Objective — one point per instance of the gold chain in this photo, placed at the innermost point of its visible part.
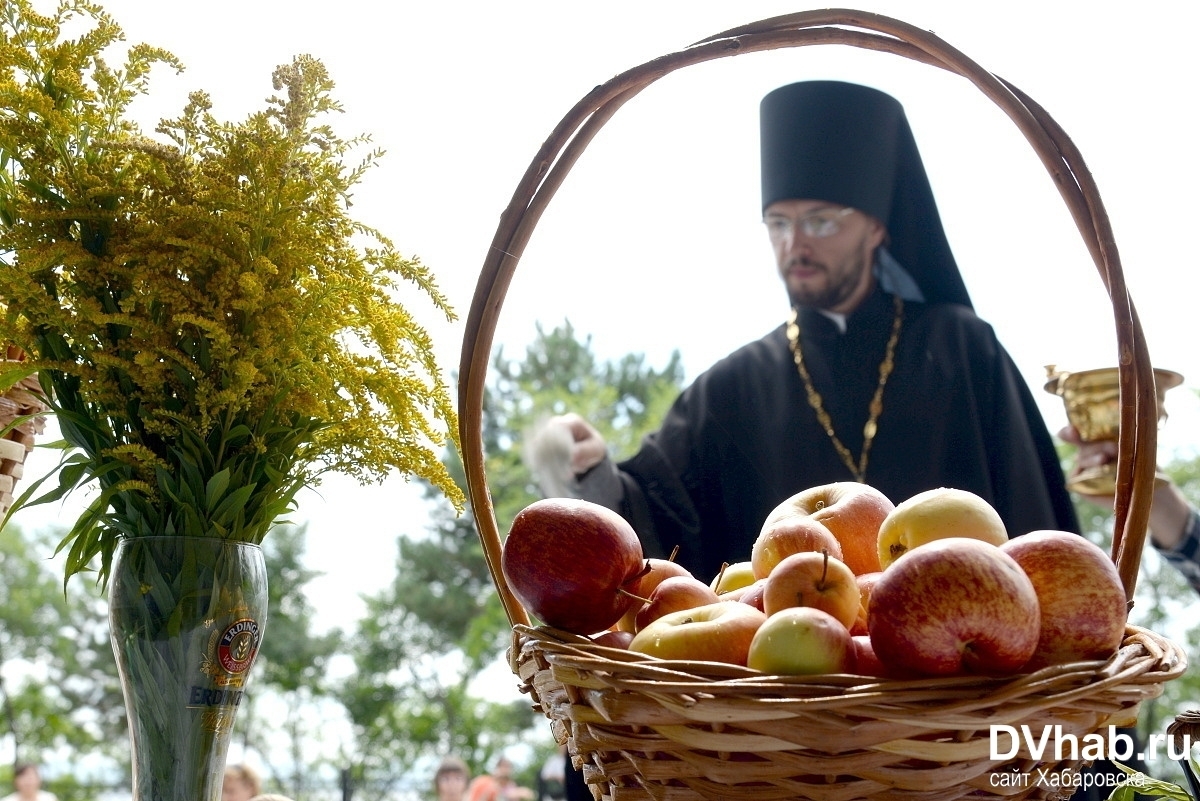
(876, 408)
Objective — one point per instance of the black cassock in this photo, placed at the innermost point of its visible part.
(743, 437)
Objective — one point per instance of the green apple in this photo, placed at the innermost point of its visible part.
(801, 641)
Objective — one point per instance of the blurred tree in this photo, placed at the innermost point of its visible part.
(426, 639)
(59, 691)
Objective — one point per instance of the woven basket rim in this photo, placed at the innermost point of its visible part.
(675, 724)
(1138, 428)
(577, 650)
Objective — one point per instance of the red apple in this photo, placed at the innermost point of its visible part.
(865, 582)
(851, 511)
(673, 594)
(954, 606)
(653, 572)
(719, 632)
(614, 638)
(752, 595)
(813, 579)
(733, 577)
(933, 515)
(1082, 600)
(866, 663)
(801, 641)
(785, 536)
(567, 561)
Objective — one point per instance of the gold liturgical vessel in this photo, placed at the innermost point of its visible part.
(1092, 399)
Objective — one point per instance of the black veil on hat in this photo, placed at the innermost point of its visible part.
(851, 145)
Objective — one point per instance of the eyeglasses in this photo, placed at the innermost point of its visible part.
(817, 225)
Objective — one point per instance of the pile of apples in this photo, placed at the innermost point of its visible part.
(839, 580)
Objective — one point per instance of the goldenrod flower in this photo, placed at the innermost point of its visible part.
(208, 320)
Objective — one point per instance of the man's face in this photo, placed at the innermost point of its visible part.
(831, 271)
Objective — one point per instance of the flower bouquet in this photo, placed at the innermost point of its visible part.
(212, 332)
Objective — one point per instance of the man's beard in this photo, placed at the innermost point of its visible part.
(836, 290)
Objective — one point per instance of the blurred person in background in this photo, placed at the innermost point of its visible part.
(498, 785)
(27, 785)
(450, 780)
(241, 783)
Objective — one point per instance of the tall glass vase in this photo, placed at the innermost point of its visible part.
(186, 616)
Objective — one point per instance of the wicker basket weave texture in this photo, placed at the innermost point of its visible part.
(654, 729)
(642, 729)
(19, 401)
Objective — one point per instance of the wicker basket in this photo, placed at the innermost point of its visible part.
(675, 731)
(20, 405)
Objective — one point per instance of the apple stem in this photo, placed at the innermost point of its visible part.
(674, 553)
(721, 574)
(623, 591)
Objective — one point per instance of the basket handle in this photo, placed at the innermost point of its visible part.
(1137, 439)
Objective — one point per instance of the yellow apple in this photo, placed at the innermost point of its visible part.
(719, 632)
(936, 514)
(801, 641)
(733, 577)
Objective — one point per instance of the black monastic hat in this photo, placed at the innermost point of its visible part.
(851, 145)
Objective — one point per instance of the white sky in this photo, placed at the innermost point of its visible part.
(654, 242)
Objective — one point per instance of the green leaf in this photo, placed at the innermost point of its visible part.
(216, 487)
(1144, 784)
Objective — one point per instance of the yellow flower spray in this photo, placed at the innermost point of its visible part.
(212, 329)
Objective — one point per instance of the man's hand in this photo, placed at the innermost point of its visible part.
(1090, 455)
(588, 448)
(1169, 509)
(561, 449)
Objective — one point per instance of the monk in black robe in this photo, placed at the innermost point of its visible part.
(743, 438)
(875, 289)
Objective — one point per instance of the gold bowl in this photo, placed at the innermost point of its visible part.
(1092, 400)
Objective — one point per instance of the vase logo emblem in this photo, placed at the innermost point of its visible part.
(238, 646)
